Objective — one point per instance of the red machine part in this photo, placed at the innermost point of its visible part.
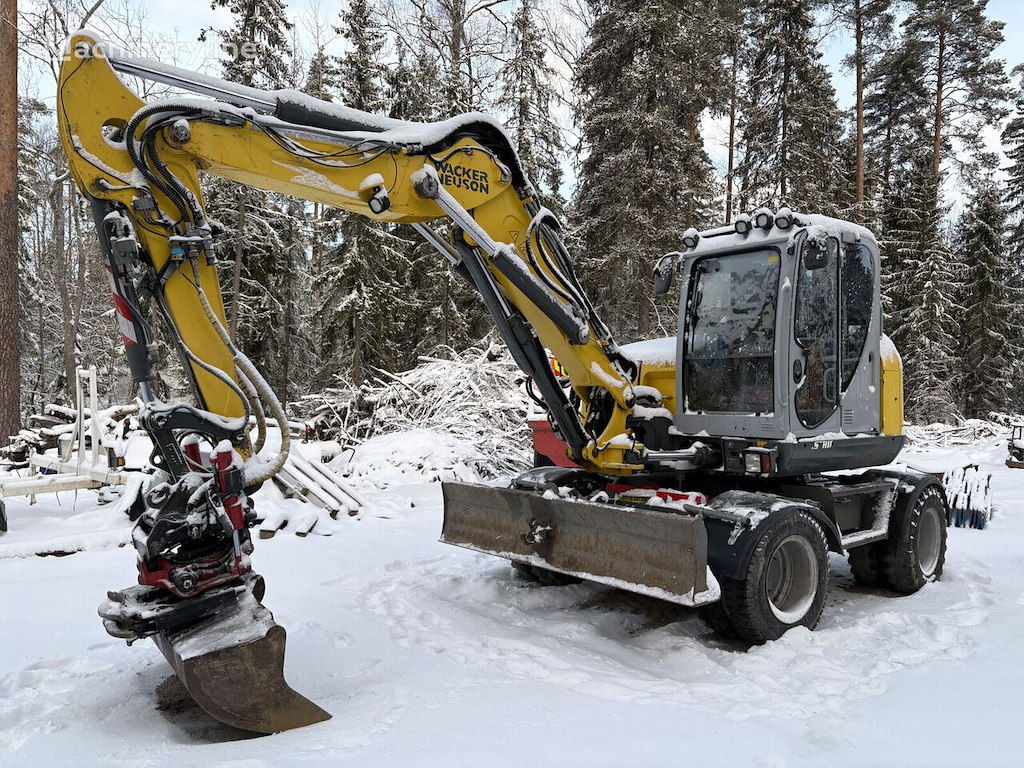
(189, 580)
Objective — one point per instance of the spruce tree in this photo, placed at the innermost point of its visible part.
(991, 335)
(258, 225)
(790, 123)
(526, 97)
(647, 177)
(896, 109)
(922, 283)
(1013, 148)
(364, 274)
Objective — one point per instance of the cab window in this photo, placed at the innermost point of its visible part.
(730, 349)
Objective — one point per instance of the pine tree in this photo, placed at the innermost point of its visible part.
(966, 83)
(527, 97)
(647, 177)
(871, 22)
(991, 334)
(790, 121)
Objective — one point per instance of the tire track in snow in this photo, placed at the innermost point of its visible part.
(620, 647)
(44, 697)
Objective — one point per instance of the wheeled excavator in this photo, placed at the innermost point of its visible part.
(716, 469)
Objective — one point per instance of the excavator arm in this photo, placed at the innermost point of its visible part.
(139, 163)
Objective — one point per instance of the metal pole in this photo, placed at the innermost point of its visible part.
(94, 419)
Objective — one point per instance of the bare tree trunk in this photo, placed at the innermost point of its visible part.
(41, 366)
(294, 245)
(784, 135)
(939, 73)
(445, 300)
(455, 43)
(357, 344)
(57, 202)
(731, 167)
(858, 20)
(10, 349)
(314, 287)
(76, 230)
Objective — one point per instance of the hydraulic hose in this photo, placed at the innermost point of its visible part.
(263, 390)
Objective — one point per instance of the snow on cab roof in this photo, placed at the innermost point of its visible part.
(765, 226)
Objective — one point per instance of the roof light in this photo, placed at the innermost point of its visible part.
(784, 218)
(763, 218)
(742, 224)
(691, 237)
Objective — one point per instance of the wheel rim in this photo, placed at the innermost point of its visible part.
(792, 579)
(929, 541)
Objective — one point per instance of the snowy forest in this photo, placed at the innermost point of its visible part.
(636, 120)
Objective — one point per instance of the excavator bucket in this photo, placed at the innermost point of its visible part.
(233, 667)
(658, 553)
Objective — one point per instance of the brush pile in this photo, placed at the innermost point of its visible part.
(476, 396)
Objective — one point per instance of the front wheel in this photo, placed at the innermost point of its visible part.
(917, 543)
(543, 576)
(786, 582)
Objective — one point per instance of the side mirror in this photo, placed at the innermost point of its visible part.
(664, 271)
(816, 252)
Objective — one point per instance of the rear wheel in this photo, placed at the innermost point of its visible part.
(917, 543)
(786, 581)
(543, 576)
(868, 564)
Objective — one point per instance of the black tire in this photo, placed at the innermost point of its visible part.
(786, 581)
(540, 460)
(916, 548)
(868, 564)
(716, 618)
(543, 576)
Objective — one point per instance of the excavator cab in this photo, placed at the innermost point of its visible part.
(780, 344)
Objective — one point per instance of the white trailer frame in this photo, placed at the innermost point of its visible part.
(63, 474)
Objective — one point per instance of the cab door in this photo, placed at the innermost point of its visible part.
(815, 358)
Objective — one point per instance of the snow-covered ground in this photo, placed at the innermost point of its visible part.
(428, 655)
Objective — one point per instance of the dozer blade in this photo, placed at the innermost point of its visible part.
(233, 667)
(661, 554)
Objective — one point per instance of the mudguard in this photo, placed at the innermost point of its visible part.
(912, 486)
(733, 537)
